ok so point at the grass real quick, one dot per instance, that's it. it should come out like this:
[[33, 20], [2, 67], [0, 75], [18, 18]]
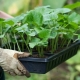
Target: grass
[[33, 77]]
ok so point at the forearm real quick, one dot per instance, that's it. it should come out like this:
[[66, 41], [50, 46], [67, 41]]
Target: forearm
[[4, 15]]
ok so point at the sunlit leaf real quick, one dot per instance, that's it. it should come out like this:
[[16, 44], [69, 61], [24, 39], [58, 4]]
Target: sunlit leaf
[[73, 6], [74, 17]]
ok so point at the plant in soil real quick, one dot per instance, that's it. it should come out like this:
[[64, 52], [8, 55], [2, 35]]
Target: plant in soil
[[41, 30]]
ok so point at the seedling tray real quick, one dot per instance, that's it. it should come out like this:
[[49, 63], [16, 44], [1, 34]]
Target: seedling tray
[[43, 65]]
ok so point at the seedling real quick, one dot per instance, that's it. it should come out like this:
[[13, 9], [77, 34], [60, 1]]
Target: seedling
[[42, 30]]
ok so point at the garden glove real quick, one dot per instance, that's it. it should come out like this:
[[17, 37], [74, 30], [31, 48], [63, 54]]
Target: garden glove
[[10, 63]]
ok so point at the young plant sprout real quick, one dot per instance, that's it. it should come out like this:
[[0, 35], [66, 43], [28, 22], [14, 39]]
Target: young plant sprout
[[41, 30]]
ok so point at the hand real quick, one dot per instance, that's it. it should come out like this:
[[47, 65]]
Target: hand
[[10, 63]]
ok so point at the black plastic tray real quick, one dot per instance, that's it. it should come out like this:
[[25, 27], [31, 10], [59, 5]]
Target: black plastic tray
[[43, 65]]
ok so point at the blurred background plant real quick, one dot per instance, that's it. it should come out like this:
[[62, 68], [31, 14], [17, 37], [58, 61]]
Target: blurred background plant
[[69, 70]]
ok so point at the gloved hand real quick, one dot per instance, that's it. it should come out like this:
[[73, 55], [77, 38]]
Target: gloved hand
[[10, 63]]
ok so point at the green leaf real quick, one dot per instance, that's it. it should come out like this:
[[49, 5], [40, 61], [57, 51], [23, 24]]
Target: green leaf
[[37, 42], [2, 36], [73, 6], [54, 15], [23, 28], [62, 10], [37, 29], [77, 67], [43, 43], [9, 21], [69, 34], [44, 34], [74, 26], [43, 10], [35, 18], [34, 42], [78, 36], [32, 33], [19, 18], [5, 29], [1, 19], [49, 17], [53, 33], [74, 17], [46, 17]]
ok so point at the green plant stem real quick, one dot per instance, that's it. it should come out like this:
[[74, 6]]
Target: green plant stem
[[8, 42], [40, 51], [8, 45], [52, 45], [14, 46], [63, 42], [17, 42], [56, 43], [68, 42], [22, 46], [30, 50]]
